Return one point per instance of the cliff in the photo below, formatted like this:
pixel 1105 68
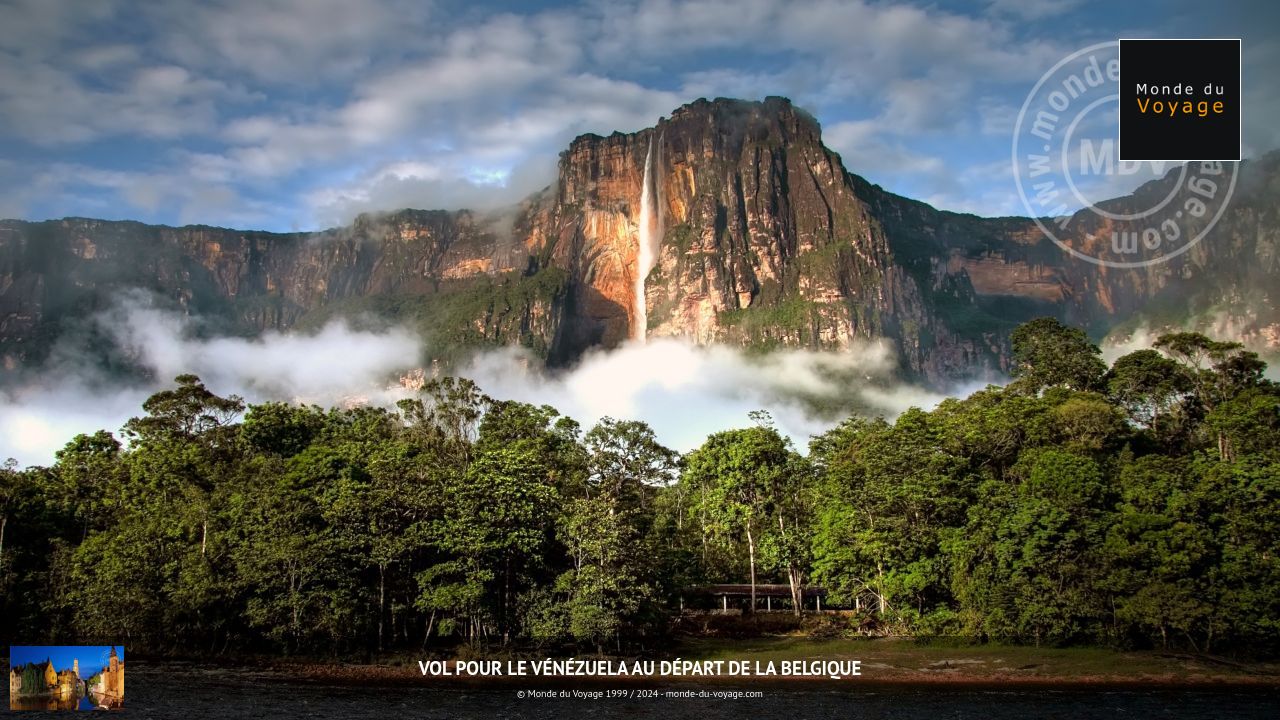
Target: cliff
pixel 728 222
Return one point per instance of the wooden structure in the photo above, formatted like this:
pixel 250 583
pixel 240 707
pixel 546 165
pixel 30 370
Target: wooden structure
pixel 738 595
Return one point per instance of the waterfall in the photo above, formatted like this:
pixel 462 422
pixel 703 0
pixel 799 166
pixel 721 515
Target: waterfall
pixel 650 237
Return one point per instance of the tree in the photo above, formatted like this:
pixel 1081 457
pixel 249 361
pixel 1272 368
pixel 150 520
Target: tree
pixel 1240 497
pixel 738 475
pixel 383 513
pixel 1158 550
pixel 188 411
pixel 495 533
pixel 9 479
pixel 280 428
pixel 446 417
pixel 790 548
pixel 1025 563
pixel 1087 423
pixel 1231 369
pixel 1195 349
pixel 1147 385
pixel 993 426
pixel 610 584
pixel 1047 353
pixel 626 461
pixel 1248 423
pixel 182 442
pixel 91 479
pixel 120 580
pixel 290 566
pixel 608 587
pixel 888 494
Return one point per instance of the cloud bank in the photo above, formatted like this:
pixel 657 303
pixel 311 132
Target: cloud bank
pixel 684 391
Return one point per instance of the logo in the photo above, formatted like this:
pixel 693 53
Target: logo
pixel 1070 178
pixel 1180 99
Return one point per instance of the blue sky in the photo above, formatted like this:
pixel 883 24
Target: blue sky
pixel 92 657
pixel 297 114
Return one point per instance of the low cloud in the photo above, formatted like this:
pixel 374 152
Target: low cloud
pixel 74 395
pixel 335 362
pixel 683 390
pixel 1236 326
pixel 686 391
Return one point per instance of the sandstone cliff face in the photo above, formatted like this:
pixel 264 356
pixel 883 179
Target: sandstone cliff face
pixel 1224 284
pixel 764 239
pixel 56 273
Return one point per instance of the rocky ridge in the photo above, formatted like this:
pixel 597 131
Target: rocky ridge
pixel 767 240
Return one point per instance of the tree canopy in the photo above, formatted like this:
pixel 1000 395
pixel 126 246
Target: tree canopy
pixel 1135 505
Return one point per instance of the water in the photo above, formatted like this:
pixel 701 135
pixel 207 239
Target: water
pixel 194 693
pixel 55 702
pixel 650 237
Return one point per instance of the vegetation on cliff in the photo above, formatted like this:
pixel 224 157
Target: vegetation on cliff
pixel 1132 506
pixel 465 315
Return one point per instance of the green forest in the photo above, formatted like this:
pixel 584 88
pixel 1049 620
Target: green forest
pixel 1130 506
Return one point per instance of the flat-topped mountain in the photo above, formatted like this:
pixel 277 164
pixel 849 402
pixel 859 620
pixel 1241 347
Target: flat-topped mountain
pixel 728 222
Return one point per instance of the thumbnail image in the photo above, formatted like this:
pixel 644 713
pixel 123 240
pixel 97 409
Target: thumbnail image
pixel 66 677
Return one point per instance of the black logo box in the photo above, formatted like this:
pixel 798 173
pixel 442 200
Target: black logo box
pixel 1185 64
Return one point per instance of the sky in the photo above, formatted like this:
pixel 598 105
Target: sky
pixel 298 114
pixel 92 657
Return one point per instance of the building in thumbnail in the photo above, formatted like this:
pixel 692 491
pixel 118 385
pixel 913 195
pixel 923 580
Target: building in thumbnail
pixel 69 679
pixel 34 678
pixel 110 687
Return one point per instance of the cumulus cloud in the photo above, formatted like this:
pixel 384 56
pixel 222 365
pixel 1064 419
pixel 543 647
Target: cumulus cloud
pixel 1261 102
pixel 890 41
pixel 315 367
pixel 294 111
pixel 1032 9
pixel 1118 344
pixel 294 42
pixel 295 102
pixel 660 382
pixel 864 147
pixel 199 197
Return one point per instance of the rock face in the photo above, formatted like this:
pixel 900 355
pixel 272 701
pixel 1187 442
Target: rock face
pixel 762 238
pixel 766 240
